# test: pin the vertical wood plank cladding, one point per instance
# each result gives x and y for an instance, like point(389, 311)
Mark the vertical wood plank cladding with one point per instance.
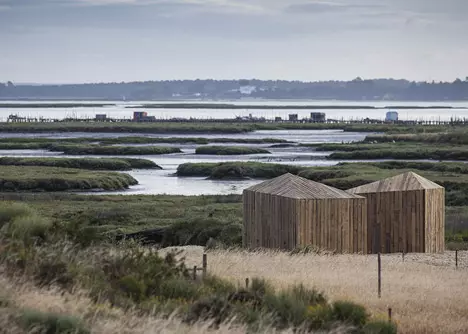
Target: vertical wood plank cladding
point(272, 221)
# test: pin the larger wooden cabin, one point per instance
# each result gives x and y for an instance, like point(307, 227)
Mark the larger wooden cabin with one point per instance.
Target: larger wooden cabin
point(405, 213)
point(289, 211)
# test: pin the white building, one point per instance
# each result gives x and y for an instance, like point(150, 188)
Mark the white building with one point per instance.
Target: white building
point(391, 116)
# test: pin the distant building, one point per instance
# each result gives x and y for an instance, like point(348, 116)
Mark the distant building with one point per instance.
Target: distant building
point(278, 119)
point(247, 90)
point(317, 117)
point(101, 117)
point(138, 115)
point(142, 116)
point(293, 117)
point(391, 116)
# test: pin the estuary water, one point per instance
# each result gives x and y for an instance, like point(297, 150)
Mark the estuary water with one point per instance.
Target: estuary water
point(164, 182)
point(124, 110)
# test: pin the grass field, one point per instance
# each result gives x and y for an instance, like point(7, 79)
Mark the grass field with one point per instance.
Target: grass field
point(127, 278)
point(425, 292)
point(33, 178)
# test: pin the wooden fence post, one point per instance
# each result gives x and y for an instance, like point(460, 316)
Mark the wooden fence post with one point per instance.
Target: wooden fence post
point(194, 273)
point(247, 283)
point(389, 314)
point(205, 265)
point(456, 258)
point(379, 268)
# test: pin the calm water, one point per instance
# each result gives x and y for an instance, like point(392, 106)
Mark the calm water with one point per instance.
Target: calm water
point(120, 110)
point(164, 181)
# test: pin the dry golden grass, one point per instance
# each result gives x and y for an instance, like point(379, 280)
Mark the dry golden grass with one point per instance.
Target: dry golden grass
point(101, 319)
point(426, 292)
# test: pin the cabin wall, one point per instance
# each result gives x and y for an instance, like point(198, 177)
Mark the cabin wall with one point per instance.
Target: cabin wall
point(283, 223)
point(334, 224)
point(396, 221)
point(435, 221)
point(270, 221)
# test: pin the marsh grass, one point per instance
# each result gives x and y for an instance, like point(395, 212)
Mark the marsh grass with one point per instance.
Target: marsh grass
point(81, 149)
point(33, 178)
point(230, 150)
point(210, 127)
point(82, 163)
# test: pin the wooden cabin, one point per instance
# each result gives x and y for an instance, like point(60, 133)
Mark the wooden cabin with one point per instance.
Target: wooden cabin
point(405, 213)
point(289, 211)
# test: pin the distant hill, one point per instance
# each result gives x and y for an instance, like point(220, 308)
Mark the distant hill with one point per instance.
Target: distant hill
point(356, 90)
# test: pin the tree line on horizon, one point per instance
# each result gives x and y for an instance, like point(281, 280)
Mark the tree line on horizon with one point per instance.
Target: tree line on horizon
point(357, 89)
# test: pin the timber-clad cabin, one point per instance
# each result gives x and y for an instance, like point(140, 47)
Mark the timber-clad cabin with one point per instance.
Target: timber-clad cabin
point(405, 213)
point(289, 211)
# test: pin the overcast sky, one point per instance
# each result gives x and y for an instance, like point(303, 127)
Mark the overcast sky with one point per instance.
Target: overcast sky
point(61, 41)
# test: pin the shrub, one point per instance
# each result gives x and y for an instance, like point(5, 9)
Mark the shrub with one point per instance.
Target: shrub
point(180, 288)
point(9, 211)
point(213, 308)
point(261, 287)
point(133, 273)
point(379, 327)
point(29, 228)
point(51, 323)
point(218, 286)
point(286, 308)
point(350, 313)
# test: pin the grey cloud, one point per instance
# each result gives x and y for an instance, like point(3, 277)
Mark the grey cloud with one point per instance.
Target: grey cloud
point(330, 7)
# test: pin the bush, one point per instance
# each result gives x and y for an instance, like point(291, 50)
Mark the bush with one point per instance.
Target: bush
point(350, 313)
point(379, 327)
point(10, 211)
point(29, 228)
point(180, 288)
point(199, 231)
point(134, 274)
point(51, 323)
point(213, 308)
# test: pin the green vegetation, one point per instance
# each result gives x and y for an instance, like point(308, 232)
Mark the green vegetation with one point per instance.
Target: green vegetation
point(399, 150)
point(458, 137)
point(31, 320)
point(112, 150)
point(129, 277)
point(211, 127)
point(236, 169)
point(81, 163)
point(32, 178)
point(230, 150)
point(343, 176)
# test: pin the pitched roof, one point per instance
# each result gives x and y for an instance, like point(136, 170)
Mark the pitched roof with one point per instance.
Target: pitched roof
point(289, 185)
point(407, 181)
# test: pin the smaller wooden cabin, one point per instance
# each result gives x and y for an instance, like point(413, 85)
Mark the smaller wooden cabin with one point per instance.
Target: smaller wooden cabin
point(405, 213)
point(289, 212)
